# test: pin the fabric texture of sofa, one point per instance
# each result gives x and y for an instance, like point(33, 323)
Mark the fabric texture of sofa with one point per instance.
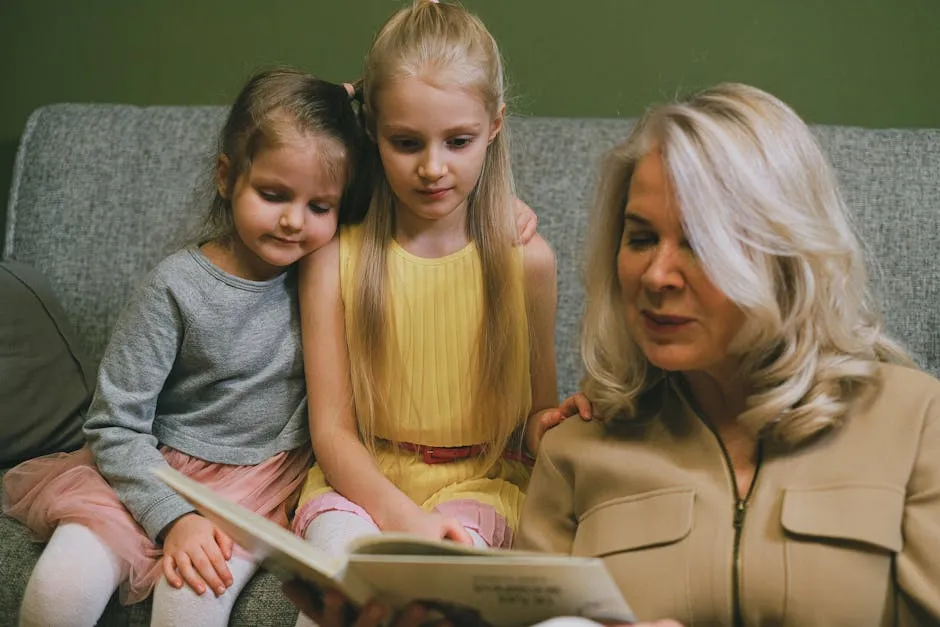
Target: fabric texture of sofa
point(101, 193)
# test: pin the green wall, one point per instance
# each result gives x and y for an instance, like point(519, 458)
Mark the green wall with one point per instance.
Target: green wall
point(860, 62)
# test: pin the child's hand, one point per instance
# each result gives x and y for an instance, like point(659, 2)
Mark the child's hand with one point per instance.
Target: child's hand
point(539, 424)
point(576, 404)
point(431, 525)
point(526, 222)
point(196, 551)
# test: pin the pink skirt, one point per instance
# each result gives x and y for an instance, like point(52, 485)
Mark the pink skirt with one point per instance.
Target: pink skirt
point(45, 492)
point(473, 515)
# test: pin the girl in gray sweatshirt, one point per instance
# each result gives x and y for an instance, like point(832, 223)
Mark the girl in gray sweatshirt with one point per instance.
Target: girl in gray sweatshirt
point(203, 372)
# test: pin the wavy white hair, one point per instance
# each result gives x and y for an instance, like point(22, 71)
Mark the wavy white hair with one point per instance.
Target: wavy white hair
point(760, 203)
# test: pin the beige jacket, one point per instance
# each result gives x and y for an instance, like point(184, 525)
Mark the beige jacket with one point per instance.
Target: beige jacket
point(844, 531)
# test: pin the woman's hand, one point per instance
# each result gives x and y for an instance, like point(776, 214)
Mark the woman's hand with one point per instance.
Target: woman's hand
point(330, 609)
point(526, 222)
point(196, 551)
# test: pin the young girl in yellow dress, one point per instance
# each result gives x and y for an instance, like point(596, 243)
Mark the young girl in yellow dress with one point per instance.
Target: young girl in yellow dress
point(428, 336)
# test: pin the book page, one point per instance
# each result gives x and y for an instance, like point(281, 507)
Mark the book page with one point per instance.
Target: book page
point(498, 590)
point(403, 544)
point(407, 544)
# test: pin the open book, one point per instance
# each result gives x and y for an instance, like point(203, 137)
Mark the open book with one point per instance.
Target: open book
point(501, 588)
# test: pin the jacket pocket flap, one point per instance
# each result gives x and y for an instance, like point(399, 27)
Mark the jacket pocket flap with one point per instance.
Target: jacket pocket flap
point(861, 513)
point(634, 522)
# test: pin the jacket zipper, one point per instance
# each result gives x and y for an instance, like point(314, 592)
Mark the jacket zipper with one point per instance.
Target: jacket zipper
point(740, 512)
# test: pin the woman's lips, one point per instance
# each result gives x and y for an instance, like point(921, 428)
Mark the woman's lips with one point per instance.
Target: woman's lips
point(663, 323)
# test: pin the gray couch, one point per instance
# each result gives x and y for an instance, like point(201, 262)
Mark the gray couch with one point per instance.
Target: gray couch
point(102, 192)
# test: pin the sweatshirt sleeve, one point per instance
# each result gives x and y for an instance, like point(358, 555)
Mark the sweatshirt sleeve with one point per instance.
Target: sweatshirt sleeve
point(139, 357)
point(918, 569)
point(547, 523)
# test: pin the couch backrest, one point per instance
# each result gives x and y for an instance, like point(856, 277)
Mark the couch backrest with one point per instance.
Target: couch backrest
point(102, 192)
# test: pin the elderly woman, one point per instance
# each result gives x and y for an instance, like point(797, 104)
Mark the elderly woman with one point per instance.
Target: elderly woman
point(761, 454)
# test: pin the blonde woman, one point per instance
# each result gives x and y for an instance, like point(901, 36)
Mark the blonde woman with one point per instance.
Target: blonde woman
point(761, 452)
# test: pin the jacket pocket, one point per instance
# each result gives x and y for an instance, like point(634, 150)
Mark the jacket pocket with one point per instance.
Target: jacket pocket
point(867, 514)
point(840, 542)
point(635, 522)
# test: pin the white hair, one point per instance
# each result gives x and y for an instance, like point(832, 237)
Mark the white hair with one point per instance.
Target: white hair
point(762, 208)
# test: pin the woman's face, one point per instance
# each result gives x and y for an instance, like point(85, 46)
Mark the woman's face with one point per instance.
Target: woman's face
point(677, 316)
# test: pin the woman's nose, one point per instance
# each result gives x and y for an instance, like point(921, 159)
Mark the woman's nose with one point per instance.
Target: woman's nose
point(664, 271)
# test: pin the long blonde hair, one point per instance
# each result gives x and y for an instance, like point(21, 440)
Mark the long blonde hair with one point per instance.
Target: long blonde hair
point(448, 44)
point(763, 209)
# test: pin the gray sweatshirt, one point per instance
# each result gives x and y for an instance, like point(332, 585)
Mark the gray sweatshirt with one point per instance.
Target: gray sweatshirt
point(204, 362)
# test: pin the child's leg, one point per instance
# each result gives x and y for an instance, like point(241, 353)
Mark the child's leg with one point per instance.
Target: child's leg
point(481, 520)
point(478, 540)
point(72, 581)
point(330, 532)
point(182, 606)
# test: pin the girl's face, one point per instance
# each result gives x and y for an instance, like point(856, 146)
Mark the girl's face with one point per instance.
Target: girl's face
point(678, 317)
point(284, 207)
point(432, 141)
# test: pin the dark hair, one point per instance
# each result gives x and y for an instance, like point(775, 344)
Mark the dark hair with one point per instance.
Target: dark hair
point(274, 104)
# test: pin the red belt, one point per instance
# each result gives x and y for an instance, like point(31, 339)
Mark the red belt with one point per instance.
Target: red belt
point(447, 454)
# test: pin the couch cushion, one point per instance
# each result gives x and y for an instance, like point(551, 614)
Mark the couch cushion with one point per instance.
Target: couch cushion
point(100, 194)
point(45, 383)
point(891, 181)
point(555, 164)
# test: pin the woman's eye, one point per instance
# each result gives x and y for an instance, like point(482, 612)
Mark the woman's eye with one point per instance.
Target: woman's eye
point(639, 241)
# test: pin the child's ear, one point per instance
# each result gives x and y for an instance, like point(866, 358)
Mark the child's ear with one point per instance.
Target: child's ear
point(497, 124)
point(222, 166)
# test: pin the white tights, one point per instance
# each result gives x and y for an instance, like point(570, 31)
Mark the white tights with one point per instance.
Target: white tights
point(331, 532)
point(77, 573)
point(182, 606)
point(72, 581)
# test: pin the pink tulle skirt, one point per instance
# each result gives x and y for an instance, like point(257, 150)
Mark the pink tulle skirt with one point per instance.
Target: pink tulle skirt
point(67, 488)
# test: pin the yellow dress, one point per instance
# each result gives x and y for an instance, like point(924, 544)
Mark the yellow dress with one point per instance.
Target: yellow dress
point(436, 311)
